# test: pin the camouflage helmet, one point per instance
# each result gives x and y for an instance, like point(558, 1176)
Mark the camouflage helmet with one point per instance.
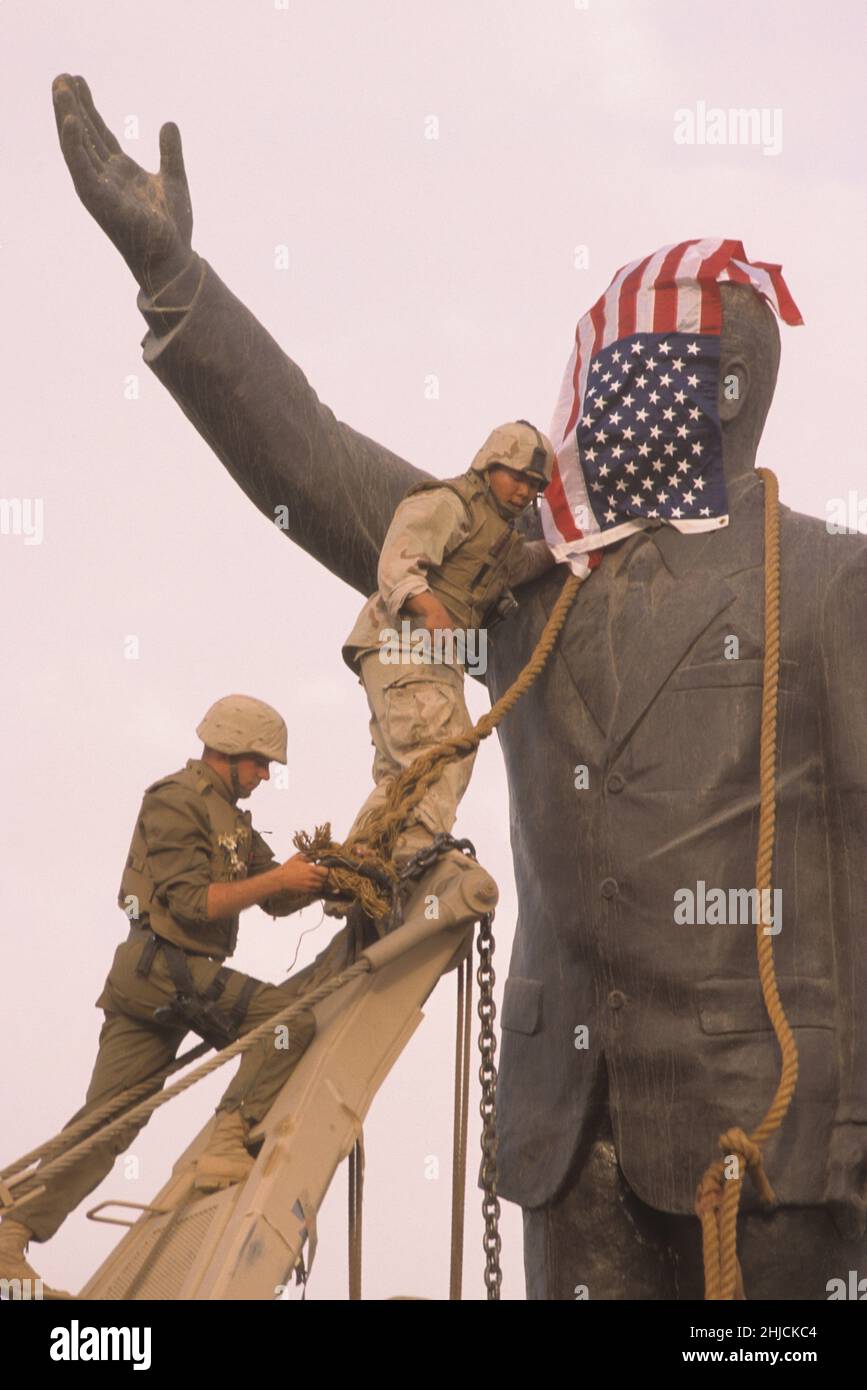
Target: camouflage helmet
point(519, 446)
point(239, 724)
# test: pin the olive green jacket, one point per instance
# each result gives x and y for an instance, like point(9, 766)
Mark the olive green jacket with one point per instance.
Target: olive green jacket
point(190, 834)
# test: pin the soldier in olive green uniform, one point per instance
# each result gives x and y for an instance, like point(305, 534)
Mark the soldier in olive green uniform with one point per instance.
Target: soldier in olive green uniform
point(450, 556)
point(195, 862)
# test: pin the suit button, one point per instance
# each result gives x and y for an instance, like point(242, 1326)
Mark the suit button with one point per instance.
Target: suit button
point(616, 783)
point(616, 999)
point(608, 887)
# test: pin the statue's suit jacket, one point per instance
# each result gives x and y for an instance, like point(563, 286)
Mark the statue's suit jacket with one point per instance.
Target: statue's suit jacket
point(641, 693)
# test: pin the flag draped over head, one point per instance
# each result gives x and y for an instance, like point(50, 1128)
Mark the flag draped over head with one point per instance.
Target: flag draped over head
point(636, 427)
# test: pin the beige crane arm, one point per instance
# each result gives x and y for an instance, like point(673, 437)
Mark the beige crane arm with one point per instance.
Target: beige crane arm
point(245, 1242)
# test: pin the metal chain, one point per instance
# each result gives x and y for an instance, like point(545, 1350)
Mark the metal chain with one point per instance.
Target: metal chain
point(488, 1076)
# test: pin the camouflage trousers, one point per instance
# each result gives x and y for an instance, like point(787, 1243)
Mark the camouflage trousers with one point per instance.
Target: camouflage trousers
point(131, 1046)
point(412, 708)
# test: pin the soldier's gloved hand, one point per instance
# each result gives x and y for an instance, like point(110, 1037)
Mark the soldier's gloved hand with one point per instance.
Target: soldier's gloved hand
point(846, 1180)
point(149, 217)
point(300, 876)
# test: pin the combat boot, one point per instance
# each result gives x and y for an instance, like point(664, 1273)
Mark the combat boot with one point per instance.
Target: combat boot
point(225, 1160)
point(23, 1281)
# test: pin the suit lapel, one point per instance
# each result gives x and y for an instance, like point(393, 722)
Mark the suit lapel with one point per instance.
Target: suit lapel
point(651, 646)
point(646, 647)
point(585, 646)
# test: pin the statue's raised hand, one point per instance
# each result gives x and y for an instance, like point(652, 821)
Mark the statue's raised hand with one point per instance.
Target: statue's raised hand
point(149, 217)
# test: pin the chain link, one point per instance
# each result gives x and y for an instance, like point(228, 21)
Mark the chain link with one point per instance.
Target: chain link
point(488, 1077)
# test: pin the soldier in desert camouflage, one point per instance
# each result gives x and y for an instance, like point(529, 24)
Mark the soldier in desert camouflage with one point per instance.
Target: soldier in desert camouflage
point(448, 563)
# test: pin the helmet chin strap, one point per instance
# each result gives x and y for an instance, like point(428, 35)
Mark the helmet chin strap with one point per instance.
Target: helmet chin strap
point(233, 774)
point(505, 509)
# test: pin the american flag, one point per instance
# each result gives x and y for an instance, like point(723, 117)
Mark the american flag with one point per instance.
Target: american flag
point(636, 427)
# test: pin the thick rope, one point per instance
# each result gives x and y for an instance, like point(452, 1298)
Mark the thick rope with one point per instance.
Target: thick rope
point(146, 1108)
point(375, 840)
point(356, 1209)
point(718, 1198)
point(109, 1108)
point(459, 1138)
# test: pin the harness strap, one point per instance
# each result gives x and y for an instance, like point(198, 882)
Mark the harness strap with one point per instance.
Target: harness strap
point(185, 988)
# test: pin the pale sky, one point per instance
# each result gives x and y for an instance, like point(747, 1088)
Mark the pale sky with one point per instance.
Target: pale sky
point(307, 126)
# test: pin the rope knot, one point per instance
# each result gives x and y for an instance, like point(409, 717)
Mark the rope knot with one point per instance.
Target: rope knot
point(735, 1141)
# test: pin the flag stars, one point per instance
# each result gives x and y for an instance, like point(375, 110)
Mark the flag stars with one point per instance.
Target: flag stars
point(615, 417)
point(682, 431)
point(679, 397)
point(628, 433)
point(586, 421)
point(653, 397)
point(697, 447)
point(665, 379)
point(677, 364)
point(641, 381)
point(692, 381)
point(637, 346)
point(601, 436)
point(665, 348)
point(651, 363)
point(692, 349)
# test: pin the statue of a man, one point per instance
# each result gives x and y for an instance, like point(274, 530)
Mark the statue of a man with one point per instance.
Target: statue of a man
point(603, 1145)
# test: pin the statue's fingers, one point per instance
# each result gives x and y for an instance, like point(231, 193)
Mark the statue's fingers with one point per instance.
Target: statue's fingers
point(86, 176)
point(106, 142)
point(65, 100)
point(171, 153)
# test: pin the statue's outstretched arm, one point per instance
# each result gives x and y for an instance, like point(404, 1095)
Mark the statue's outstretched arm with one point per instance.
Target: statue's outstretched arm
point(332, 489)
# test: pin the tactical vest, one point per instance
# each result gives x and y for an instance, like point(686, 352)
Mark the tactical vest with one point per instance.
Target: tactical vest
point(231, 845)
point(471, 579)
